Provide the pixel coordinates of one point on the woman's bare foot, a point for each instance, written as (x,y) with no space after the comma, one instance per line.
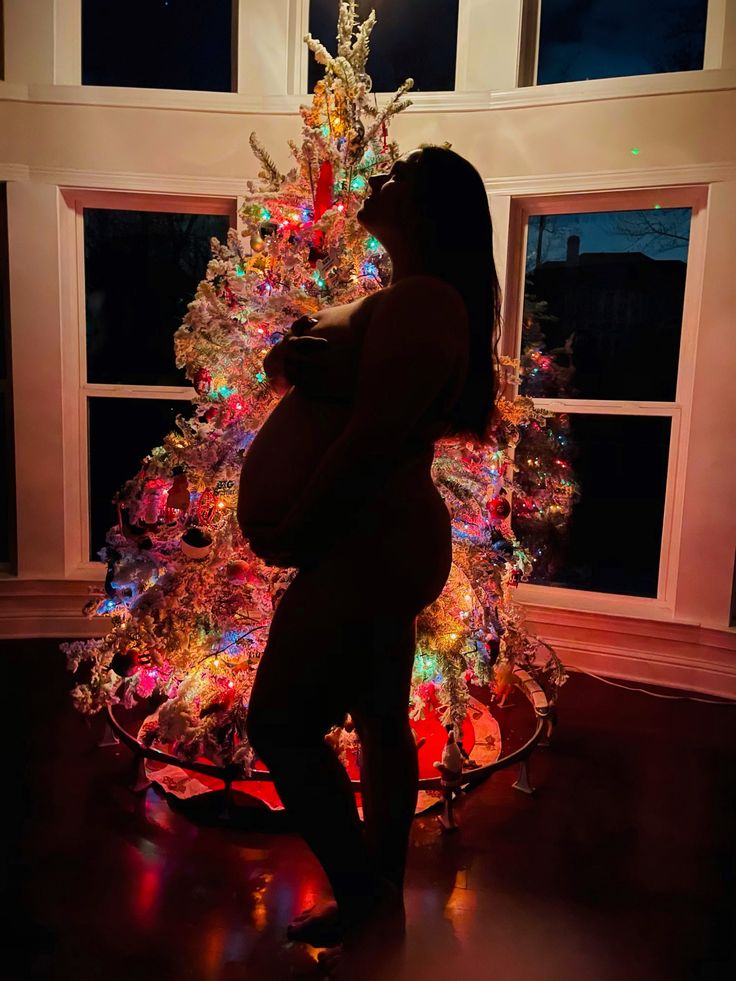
(373,933)
(320,925)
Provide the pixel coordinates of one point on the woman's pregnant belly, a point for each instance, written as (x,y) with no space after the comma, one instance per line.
(284,455)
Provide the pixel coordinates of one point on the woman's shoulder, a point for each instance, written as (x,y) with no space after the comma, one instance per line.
(421,282)
(426,304)
(429,293)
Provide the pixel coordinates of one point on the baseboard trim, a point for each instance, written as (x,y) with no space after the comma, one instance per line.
(669,653)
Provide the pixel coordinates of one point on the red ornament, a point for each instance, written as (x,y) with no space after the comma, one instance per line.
(316,251)
(178,497)
(206,507)
(323,195)
(239,572)
(499,507)
(202,381)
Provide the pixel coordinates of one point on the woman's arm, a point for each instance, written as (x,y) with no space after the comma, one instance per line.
(275,363)
(412,344)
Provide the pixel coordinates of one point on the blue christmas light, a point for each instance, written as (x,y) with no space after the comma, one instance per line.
(358,183)
(260,377)
(369,269)
(224,391)
(265,214)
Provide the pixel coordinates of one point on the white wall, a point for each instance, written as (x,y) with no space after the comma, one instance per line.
(561,139)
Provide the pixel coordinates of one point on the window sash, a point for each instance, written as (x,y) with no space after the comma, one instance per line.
(679,410)
(715,55)
(78,390)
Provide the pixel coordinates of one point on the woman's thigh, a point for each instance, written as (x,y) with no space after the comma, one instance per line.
(343,633)
(323,659)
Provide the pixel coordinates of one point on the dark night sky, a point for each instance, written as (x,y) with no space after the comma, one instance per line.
(582,39)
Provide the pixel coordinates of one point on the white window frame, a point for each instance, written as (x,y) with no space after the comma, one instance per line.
(692,196)
(719,37)
(301,55)
(77,390)
(496,58)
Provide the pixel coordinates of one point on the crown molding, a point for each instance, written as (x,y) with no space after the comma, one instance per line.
(627,178)
(14,172)
(531,184)
(588,90)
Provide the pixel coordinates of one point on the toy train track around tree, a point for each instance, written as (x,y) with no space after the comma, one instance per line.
(530,724)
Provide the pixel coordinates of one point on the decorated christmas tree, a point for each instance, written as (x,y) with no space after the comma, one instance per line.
(189,603)
(545,489)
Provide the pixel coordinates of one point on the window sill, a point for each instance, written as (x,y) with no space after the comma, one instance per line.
(586,603)
(591,90)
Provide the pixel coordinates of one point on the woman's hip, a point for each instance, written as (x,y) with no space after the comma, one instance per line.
(397,556)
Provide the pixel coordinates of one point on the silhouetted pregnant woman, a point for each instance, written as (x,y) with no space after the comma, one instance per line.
(338,484)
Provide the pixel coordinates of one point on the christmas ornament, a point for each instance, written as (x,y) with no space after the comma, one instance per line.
(202,381)
(323,197)
(206,507)
(196,543)
(499,507)
(238,572)
(178,496)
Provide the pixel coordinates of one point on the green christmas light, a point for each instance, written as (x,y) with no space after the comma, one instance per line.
(260,376)
(265,214)
(635,151)
(371,244)
(358,183)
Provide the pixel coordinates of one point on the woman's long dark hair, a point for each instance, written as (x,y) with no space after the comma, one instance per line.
(456,244)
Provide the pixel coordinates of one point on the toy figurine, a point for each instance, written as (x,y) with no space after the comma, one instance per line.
(451,772)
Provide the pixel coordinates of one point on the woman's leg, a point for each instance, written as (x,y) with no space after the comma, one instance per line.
(390,769)
(299,692)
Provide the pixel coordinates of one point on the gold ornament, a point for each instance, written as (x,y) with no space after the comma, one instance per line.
(256,242)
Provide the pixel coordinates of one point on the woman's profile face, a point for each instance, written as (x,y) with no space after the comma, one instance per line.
(389,206)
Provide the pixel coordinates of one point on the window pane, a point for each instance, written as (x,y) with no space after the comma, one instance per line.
(142,269)
(121,432)
(611,542)
(158,44)
(603,301)
(412,39)
(581,39)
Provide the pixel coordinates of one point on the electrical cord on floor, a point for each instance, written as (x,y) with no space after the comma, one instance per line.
(655,694)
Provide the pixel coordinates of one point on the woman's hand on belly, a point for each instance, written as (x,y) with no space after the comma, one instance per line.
(320,368)
(277,545)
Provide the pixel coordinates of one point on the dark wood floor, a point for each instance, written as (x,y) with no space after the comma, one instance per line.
(620,869)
